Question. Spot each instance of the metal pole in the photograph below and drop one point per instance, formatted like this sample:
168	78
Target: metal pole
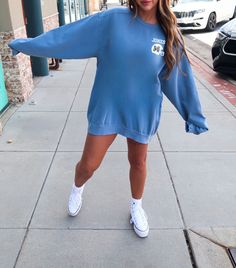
60	8
34	27
85	7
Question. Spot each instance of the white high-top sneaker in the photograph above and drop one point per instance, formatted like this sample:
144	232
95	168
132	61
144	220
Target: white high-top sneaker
75	200
139	220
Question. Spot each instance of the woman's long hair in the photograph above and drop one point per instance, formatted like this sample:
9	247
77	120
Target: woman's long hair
174	47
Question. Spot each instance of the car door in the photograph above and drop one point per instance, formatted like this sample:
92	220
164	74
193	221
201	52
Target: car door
232	6
222	9
226	9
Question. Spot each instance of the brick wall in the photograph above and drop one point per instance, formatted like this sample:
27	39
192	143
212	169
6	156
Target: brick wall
50	22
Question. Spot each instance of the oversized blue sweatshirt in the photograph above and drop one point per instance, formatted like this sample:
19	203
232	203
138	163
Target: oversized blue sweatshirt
127	93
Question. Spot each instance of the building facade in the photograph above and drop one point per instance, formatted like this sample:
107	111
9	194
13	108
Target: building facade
17	70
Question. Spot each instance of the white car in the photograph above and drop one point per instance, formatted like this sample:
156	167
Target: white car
203	14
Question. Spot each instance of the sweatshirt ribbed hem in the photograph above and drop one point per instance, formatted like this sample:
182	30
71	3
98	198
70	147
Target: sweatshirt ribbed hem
113	129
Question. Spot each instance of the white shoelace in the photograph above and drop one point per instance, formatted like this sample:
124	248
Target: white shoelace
75	196
139	213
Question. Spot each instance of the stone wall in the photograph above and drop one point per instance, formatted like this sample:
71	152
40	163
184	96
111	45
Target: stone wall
17	70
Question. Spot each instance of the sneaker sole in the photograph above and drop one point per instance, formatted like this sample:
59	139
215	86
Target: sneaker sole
75	213
140	233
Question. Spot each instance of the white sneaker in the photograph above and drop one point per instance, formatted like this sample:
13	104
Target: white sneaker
139	221
75	200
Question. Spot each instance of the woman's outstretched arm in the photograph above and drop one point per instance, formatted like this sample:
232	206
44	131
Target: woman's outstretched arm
79	39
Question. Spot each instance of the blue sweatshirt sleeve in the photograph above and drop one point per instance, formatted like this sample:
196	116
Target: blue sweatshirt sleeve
181	90
76	40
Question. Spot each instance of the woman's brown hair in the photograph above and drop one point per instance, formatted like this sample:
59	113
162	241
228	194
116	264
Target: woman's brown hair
174	47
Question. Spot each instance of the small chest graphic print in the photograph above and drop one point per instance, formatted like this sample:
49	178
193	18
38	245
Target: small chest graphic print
157	47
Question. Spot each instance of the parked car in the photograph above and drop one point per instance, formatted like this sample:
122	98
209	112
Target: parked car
203	14
224	49
173	3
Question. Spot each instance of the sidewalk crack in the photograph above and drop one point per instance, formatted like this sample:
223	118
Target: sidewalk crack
208	238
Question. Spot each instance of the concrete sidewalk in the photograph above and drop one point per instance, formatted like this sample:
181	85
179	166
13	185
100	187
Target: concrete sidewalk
189	196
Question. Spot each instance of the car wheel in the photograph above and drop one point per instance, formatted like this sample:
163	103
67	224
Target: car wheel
234	15
211	23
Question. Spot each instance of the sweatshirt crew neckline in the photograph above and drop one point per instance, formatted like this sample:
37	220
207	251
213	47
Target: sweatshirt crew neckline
147	23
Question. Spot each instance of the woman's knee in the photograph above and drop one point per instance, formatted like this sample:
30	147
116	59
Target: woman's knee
85	167
137	163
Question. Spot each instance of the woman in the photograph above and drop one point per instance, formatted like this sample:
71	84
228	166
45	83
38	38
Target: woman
140	55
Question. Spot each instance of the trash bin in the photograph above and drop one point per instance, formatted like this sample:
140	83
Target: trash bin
3	92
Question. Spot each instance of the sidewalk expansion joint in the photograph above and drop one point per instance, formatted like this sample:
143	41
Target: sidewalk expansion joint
190	249
98	229
187	240
172	181
49	168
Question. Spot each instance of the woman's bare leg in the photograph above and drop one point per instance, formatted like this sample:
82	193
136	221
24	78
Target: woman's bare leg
94	151
137	154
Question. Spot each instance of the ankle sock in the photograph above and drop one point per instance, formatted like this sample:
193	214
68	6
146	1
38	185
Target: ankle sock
136	202
79	189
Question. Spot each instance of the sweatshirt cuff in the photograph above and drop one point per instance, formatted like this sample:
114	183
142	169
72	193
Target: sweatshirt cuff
14	51
191	128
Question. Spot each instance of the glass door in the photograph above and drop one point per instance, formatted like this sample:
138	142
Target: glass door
75	10
3	92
